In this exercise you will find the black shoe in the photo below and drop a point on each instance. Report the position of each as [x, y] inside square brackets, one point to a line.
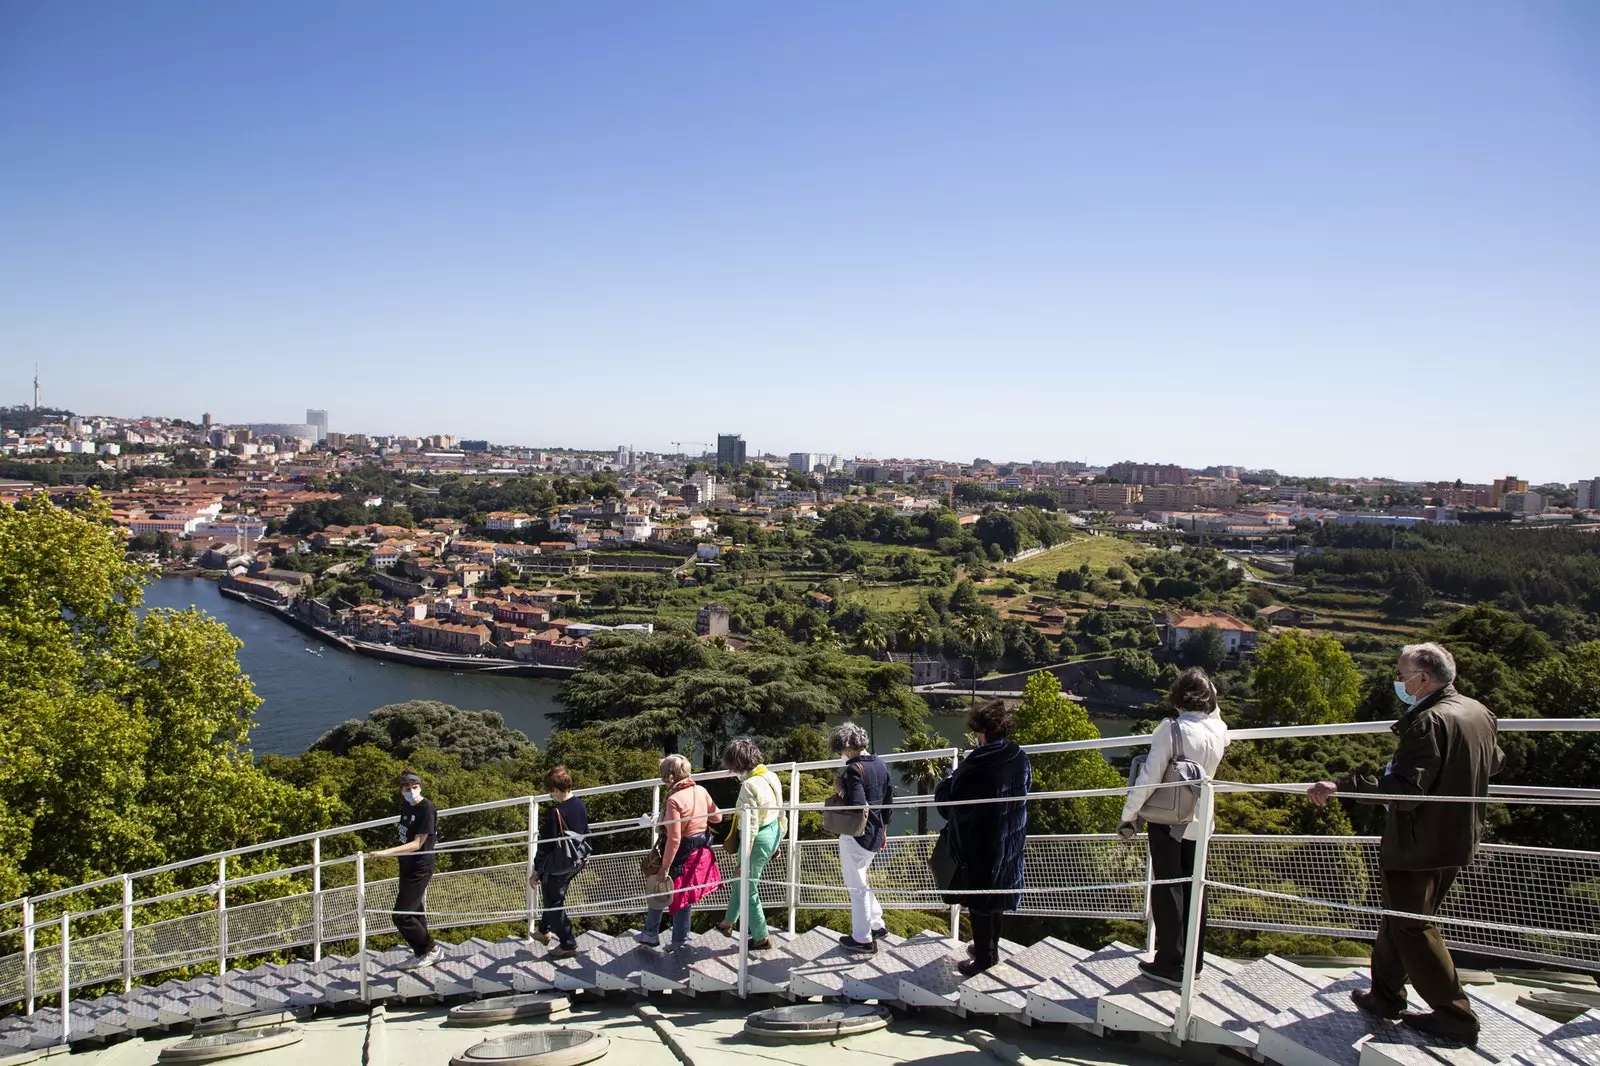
[973, 967]
[1369, 1003]
[1167, 975]
[880, 932]
[850, 943]
[1445, 1027]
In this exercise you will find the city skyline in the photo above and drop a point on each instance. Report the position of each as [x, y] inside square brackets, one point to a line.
[1352, 240]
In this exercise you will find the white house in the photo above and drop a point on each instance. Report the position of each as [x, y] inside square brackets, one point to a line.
[1237, 636]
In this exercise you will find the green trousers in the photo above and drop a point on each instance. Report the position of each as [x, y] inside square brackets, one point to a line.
[762, 847]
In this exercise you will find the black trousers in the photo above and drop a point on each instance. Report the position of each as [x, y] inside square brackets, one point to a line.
[986, 935]
[1409, 948]
[553, 918]
[412, 898]
[1169, 904]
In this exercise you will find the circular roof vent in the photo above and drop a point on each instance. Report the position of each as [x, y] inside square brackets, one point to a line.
[262, 1020]
[230, 1045]
[549, 1047]
[814, 1022]
[533, 1006]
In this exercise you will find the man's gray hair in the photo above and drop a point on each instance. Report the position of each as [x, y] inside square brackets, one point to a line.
[1432, 659]
[741, 756]
[848, 737]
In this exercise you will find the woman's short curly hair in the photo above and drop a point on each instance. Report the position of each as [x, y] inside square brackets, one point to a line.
[848, 737]
[675, 768]
[741, 756]
[992, 718]
[1194, 691]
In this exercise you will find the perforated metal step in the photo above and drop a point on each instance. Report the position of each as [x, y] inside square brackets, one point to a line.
[1577, 1043]
[1144, 1005]
[1329, 1030]
[1073, 997]
[1232, 1014]
[1002, 989]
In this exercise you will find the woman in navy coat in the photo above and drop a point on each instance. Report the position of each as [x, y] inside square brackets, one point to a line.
[987, 839]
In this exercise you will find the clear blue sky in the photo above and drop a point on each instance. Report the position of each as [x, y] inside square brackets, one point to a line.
[1342, 238]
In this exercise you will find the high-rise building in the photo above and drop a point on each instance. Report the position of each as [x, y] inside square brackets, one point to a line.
[730, 449]
[1588, 495]
[318, 419]
[1508, 484]
[801, 461]
[624, 458]
[205, 420]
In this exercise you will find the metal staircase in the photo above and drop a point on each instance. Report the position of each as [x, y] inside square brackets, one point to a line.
[1282, 1012]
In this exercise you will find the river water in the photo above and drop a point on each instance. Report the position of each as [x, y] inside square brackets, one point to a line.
[305, 694]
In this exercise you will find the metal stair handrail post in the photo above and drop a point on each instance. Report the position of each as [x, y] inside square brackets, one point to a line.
[1193, 940]
[316, 899]
[955, 908]
[66, 977]
[28, 975]
[222, 915]
[127, 933]
[533, 851]
[361, 919]
[746, 816]
[793, 848]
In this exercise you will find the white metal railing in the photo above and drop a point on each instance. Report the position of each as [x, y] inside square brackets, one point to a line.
[1090, 875]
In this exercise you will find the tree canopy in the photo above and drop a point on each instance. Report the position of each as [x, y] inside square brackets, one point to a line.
[1304, 680]
[400, 729]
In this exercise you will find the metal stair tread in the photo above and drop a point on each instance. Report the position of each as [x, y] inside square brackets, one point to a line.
[1232, 1013]
[768, 971]
[932, 979]
[824, 974]
[877, 977]
[1330, 1029]
[1143, 1005]
[1071, 997]
[1577, 1043]
[1002, 989]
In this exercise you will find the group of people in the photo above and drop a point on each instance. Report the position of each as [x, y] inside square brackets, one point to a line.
[1447, 746]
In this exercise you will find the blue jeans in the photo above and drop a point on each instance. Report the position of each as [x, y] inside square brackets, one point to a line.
[680, 925]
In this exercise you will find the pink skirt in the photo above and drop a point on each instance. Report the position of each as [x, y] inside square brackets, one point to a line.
[701, 877]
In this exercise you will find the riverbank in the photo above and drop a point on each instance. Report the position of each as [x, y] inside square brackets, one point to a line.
[430, 660]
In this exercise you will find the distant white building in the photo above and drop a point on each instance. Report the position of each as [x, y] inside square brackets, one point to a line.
[801, 461]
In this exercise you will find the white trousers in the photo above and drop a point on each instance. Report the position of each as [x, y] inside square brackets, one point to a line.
[865, 913]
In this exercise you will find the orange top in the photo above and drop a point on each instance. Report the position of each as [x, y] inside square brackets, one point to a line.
[689, 809]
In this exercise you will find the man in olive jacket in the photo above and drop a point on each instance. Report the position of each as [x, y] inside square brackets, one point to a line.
[1449, 746]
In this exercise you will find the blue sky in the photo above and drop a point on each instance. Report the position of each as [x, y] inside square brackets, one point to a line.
[1352, 238]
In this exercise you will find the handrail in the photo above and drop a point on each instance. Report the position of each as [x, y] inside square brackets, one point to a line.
[1509, 725]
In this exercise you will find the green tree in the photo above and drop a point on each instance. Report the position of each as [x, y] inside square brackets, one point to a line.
[974, 631]
[1304, 680]
[401, 729]
[125, 737]
[871, 638]
[1045, 716]
[915, 630]
[1205, 648]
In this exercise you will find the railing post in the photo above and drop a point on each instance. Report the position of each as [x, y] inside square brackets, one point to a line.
[222, 915]
[955, 908]
[316, 899]
[361, 918]
[27, 955]
[1193, 942]
[533, 849]
[794, 845]
[1149, 904]
[746, 816]
[127, 933]
[66, 977]
[655, 814]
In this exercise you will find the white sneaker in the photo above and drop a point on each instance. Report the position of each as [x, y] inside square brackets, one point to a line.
[434, 955]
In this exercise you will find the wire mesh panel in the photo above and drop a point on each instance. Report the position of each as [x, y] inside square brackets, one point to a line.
[269, 925]
[1538, 904]
[175, 942]
[1099, 876]
[12, 978]
[96, 958]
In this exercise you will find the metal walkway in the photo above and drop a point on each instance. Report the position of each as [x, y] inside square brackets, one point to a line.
[1281, 1012]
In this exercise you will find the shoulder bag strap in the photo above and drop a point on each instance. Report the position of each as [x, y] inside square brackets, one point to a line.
[1177, 742]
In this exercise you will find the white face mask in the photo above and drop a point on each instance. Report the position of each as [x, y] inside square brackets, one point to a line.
[413, 794]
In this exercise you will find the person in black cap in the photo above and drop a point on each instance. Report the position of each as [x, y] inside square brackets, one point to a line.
[418, 828]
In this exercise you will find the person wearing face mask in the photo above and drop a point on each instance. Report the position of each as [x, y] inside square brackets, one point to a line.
[418, 829]
[1448, 746]
[761, 801]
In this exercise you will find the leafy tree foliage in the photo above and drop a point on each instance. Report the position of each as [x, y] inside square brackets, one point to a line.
[1304, 680]
[1046, 715]
[1206, 648]
[125, 736]
[400, 729]
[673, 692]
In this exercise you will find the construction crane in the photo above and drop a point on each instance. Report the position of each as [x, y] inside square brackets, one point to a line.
[678, 444]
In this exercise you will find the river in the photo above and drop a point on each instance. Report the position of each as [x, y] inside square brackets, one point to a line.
[304, 695]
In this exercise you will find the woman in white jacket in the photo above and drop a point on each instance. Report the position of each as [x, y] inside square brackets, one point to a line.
[1203, 736]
